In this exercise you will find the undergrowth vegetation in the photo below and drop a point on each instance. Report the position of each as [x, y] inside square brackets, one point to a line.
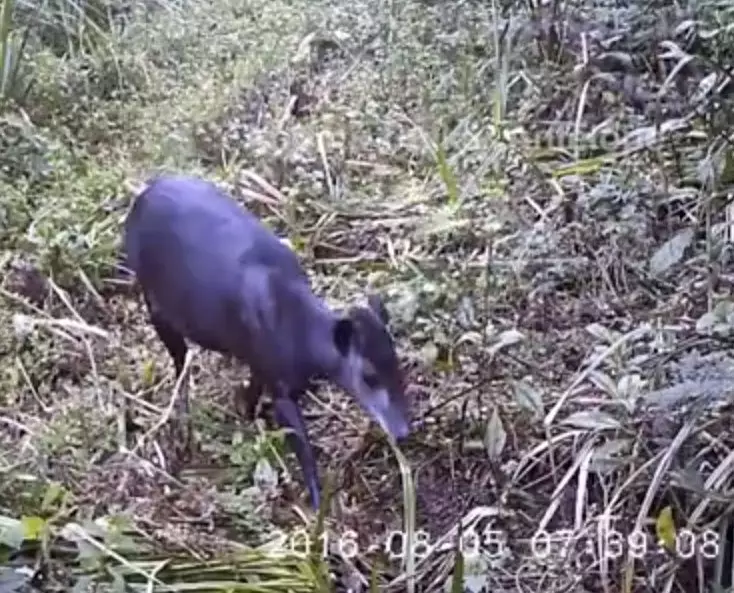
[541, 193]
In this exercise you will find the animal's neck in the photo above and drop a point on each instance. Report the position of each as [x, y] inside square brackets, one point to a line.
[319, 348]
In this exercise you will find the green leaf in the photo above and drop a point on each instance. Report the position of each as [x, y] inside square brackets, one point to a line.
[457, 582]
[727, 171]
[495, 436]
[665, 528]
[33, 528]
[54, 494]
[447, 175]
[592, 420]
[529, 398]
[671, 252]
[582, 167]
[12, 532]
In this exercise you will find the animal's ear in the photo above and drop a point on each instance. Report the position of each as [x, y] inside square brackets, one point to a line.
[378, 306]
[343, 335]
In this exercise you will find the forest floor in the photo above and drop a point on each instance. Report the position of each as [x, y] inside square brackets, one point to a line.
[549, 238]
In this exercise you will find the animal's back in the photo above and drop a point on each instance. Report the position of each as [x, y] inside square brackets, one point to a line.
[190, 245]
[198, 216]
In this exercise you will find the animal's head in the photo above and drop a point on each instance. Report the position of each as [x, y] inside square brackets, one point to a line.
[369, 369]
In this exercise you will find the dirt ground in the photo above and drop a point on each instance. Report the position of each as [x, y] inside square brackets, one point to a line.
[550, 238]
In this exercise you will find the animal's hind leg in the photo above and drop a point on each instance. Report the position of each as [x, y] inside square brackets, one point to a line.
[176, 346]
[172, 340]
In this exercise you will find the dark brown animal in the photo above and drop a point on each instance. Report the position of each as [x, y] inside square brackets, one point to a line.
[210, 272]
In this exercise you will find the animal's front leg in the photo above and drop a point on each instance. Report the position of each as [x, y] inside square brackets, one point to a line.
[288, 415]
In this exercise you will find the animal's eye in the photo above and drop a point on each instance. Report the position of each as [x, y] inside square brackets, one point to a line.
[371, 380]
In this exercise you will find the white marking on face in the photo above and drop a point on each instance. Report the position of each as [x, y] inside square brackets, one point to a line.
[381, 399]
[375, 401]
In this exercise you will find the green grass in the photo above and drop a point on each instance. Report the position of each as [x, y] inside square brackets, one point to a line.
[539, 334]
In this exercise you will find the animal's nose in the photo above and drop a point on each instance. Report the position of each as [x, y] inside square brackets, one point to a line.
[401, 430]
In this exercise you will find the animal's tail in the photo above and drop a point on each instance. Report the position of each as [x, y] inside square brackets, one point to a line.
[136, 189]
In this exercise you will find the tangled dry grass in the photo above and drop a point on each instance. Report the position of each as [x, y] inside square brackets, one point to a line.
[539, 192]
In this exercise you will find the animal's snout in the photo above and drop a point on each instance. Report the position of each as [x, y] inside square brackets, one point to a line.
[401, 429]
[399, 405]
[389, 414]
